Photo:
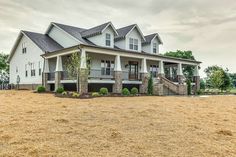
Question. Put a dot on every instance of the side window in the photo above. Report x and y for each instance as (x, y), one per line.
(107, 67)
(135, 44)
(26, 71)
(32, 69)
(24, 49)
(154, 47)
(40, 69)
(108, 39)
(16, 69)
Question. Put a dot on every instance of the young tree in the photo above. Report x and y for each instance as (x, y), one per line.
(217, 79)
(73, 67)
(4, 68)
(150, 85)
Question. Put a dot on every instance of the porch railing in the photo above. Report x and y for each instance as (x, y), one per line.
(51, 76)
(101, 74)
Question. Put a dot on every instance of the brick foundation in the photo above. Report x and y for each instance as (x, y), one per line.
(117, 87)
(144, 86)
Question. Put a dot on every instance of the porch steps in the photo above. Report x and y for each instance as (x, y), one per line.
(163, 86)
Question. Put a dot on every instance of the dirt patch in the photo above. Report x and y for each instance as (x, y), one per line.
(44, 125)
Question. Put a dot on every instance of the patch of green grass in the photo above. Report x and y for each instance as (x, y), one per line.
(233, 91)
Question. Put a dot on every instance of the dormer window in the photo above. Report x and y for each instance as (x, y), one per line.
(154, 47)
(133, 44)
(24, 48)
(108, 39)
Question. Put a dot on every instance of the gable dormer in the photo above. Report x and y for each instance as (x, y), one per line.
(102, 35)
(152, 43)
(130, 38)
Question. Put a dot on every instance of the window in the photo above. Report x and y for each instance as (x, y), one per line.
(133, 44)
(154, 47)
(153, 70)
(26, 71)
(107, 67)
(24, 48)
(108, 39)
(16, 69)
(40, 70)
(32, 69)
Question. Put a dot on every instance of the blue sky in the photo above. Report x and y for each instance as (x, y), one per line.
(208, 28)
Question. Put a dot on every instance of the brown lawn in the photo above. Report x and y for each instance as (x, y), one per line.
(43, 125)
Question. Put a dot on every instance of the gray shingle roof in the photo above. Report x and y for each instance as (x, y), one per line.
(149, 38)
(124, 31)
(73, 31)
(44, 42)
(95, 30)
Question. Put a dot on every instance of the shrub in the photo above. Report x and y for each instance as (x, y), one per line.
(41, 89)
(150, 85)
(64, 93)
(103, 91)
(95, 94)
(199, 92)
(74, 94)
(60, 90)
(125, 92)
(189, 87)
(134, 91)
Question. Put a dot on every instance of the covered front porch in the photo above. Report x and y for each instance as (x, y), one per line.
(115, 70)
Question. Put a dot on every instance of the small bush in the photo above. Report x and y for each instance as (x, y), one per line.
(60, 90)
(199, 92)
(125, 92)
(41, 89)
(95, 94)
(64, 93)
(103, 91)
(74, 94)
(134, 91)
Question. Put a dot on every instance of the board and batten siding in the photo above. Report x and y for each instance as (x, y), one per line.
(62, 37)
(101, 39)
(149, 48)
(22, 61)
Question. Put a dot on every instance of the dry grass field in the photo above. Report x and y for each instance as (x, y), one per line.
(43, 125)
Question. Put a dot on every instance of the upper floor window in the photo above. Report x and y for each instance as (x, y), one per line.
(24, 48)
(133, 44)
(154, 47)
(108, 39)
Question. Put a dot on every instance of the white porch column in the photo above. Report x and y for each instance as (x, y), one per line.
(171, 72)
(117, 86)
(144, 66)
(196, 71)
(83, 60)
(180, 75)
(180, 70)
(161, 68)
(83, 75)
(117, 63)
(46, 74)
(46, 66)
(196, 79)
(143, 76)
(59, 64)
(58, 73)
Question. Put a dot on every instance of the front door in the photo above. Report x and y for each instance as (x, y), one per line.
(133, 70)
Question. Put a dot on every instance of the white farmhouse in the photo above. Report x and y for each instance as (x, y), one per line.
(120, 58)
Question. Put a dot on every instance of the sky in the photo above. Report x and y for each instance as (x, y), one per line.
(206, 27)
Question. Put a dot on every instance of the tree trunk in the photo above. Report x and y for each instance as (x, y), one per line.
(77, 82)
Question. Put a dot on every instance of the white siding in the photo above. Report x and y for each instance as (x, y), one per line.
(149, 48)
(121, 44)
(19, 60)
(134, 34)
(101, 39)
(62, 38)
